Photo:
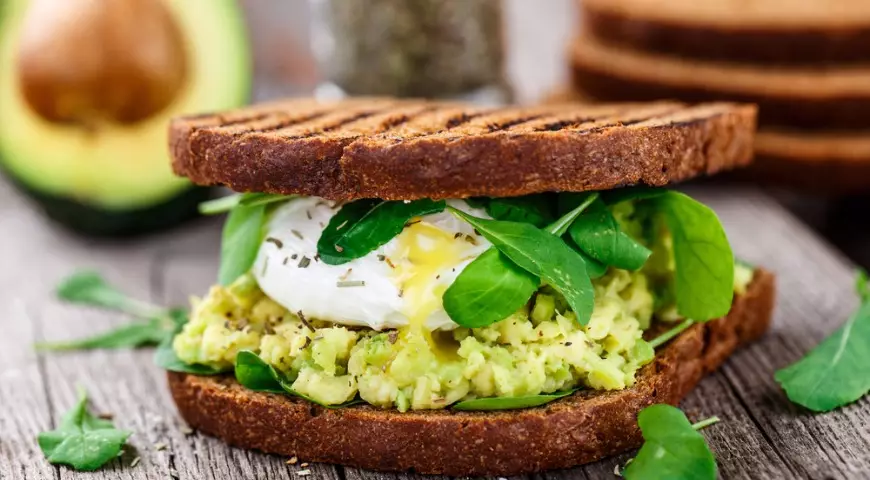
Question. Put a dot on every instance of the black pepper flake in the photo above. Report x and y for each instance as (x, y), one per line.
(437, 276)
(286, 259)
(294, 256)
(297, 234)
(568, 344)
(412, 222)
(457, 235)
(317, 258)
(393, 336)
(471, 240)
(304, 320)
(304, 262)
(381, 258)
(308, 213)
(278, 243)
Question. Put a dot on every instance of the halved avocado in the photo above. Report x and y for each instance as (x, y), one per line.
(116, 179)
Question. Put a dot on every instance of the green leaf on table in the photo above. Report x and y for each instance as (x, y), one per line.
(136, 334)
(489, 289)
(510, 403)
(834, 373)
(542, 254)
(704, 274)
(672, 449)
(90, 288)
(599, 235)
(242, 235)
(361, 227)
(165, 357)
(255, 374)
(82, 441)
(534, 209)
(226, 204)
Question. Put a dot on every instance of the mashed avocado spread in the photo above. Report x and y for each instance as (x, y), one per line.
(539, 349)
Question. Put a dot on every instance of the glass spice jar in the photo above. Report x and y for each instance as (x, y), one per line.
(411, 48)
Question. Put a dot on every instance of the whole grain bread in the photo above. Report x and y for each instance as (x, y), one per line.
(779, 31)
(578, 429)
(805, 97)
(819, 162)
(405, 149)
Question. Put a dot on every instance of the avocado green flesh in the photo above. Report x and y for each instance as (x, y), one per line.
(117, 168)
(536, 350)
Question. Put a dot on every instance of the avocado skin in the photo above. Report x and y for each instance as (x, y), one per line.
(94, 221)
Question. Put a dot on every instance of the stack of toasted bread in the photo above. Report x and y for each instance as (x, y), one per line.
(805, 63)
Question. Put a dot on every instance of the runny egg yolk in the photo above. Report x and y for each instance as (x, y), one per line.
(424, 252)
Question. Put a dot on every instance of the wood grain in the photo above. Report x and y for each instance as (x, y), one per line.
(762, 435)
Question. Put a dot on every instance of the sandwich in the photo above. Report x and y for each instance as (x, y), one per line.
(445, 288)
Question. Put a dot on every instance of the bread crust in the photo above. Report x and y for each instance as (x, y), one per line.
(578, 429)
(403, 150)
(805, 98)
(791, 44)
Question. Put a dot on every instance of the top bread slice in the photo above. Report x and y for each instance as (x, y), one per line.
(409, 149)
(779, 31)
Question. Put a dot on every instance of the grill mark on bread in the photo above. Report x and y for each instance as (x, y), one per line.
(331, 121)
(409, 149)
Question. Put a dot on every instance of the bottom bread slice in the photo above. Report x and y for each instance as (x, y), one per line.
(578, 429)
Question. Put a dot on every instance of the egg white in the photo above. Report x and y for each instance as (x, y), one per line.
(315, 290)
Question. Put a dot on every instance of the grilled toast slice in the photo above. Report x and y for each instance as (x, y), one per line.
(773, 31)
(406, 149)
(578, 429)
(801, 97)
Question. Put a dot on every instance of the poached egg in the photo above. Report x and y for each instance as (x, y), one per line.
(400, 284)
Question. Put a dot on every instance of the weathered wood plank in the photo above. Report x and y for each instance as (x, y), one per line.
(815, 288)
(24, 406)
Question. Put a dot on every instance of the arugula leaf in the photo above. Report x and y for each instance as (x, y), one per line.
(704, 277)
(511, 403)
(542, 254)
(255, 374)
(489, 289)
(533, 209)
(672, 449)
(89, 288)
(225, 204)
(165, 357)
(492, 287)
(362, 226)
(612, 197)
(82, 441)
(132, 335)
(834, 373)
(242, 235)
(598, 234)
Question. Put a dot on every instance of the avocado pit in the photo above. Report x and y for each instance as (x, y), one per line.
(89, 63)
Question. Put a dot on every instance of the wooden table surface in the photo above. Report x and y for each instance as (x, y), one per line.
(762, 435)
